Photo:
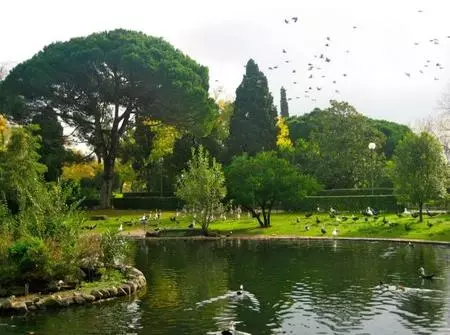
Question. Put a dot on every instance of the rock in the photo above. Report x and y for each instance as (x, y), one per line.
(112, 291)
(126, 288)
(97, 294)
(66, 302)
(133, 286)
(48, 302)
(20, 307)
(105, 293)
(79, 300)
(121, 292)
(88, 297)
(6, 304)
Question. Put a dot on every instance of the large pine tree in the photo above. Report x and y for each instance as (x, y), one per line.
(284, 108)
(253, 124)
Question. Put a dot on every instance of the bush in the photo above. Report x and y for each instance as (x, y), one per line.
(115, 248)
(349, 203)
(356, 191)
(167, 203)
(30, 255)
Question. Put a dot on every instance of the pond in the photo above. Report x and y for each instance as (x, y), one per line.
(290, 287)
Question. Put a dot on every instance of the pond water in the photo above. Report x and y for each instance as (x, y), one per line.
(290, 287)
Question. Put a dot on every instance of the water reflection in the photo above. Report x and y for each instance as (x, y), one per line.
(292, 287)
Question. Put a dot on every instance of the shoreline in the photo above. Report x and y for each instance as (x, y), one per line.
(133, 283)
(140, 234)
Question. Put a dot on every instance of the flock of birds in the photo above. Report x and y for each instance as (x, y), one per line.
(318, 74)
(369, 214)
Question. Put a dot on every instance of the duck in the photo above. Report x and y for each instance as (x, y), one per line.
(241, 290)
(335, 232)
(425, 276)
(231, 329)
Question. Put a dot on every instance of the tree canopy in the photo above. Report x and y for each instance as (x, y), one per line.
(102, 83)
(264, 181)
(253, 123)
(339, 136)
(419, 170)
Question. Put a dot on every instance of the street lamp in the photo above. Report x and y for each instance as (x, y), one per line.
(372, 147)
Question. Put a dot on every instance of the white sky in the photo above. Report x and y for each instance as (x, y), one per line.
(223, 35)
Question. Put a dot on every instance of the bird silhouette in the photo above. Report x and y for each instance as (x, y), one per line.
(293, 71)
(294, 18)
(323, 231)
(408, 74)
(327, 60)
(286, 21)
(284, 51)
(423, 275)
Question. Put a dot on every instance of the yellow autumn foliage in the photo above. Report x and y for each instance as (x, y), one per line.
(80, 171)
(164, 140)
(283, 139)
(3, 129)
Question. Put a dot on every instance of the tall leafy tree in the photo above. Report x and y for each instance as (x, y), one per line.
(102, 83)
(202, 186)
(253, 123)
(284, 107)
(338, 137)
(261, 182)
(419, 170)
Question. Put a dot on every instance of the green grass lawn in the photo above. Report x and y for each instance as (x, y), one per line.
(285, 224)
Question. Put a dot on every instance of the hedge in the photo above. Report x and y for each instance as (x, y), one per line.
(166, 203)
(146, 194)
(356, 191)
(349, 203)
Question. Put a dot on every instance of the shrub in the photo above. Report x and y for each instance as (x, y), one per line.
(115, 248)
(30, 255)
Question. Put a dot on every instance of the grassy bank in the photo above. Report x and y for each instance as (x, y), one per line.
(285, 224)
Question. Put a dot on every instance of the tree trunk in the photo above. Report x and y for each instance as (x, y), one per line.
(420, 212)
(107, 183)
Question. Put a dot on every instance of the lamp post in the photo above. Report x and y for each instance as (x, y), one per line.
(372, 147)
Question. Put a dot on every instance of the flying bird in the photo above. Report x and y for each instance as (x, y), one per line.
(284, 51)
(294, 18)
(327, 60)
(344, 74)
(408, 74)
(293, 71)
(286, 21)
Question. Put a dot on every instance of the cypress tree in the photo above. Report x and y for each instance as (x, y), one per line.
(284, 108)
(253, 124)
